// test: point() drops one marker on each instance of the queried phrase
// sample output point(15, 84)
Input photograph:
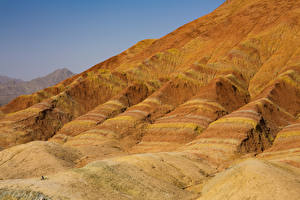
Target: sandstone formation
point(209, 111)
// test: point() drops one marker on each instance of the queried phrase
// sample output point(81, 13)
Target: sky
point(40, 36)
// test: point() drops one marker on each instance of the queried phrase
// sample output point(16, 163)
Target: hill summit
point(209, 111)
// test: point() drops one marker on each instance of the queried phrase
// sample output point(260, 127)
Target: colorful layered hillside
point(209, 111)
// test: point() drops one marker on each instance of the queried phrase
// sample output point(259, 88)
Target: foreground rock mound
point(253, 179)
point(36, 159)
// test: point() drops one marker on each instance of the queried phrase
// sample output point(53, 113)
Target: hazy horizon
point(38, 37)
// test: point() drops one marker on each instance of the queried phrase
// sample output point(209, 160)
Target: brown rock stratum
point(209, 111)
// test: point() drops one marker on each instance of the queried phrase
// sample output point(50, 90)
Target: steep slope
point(209, 111)
point(11, 88)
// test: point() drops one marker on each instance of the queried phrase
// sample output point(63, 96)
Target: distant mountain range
point(6, 79)
point(11, 87)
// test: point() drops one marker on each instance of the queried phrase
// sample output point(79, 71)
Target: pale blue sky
point(39, 36)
